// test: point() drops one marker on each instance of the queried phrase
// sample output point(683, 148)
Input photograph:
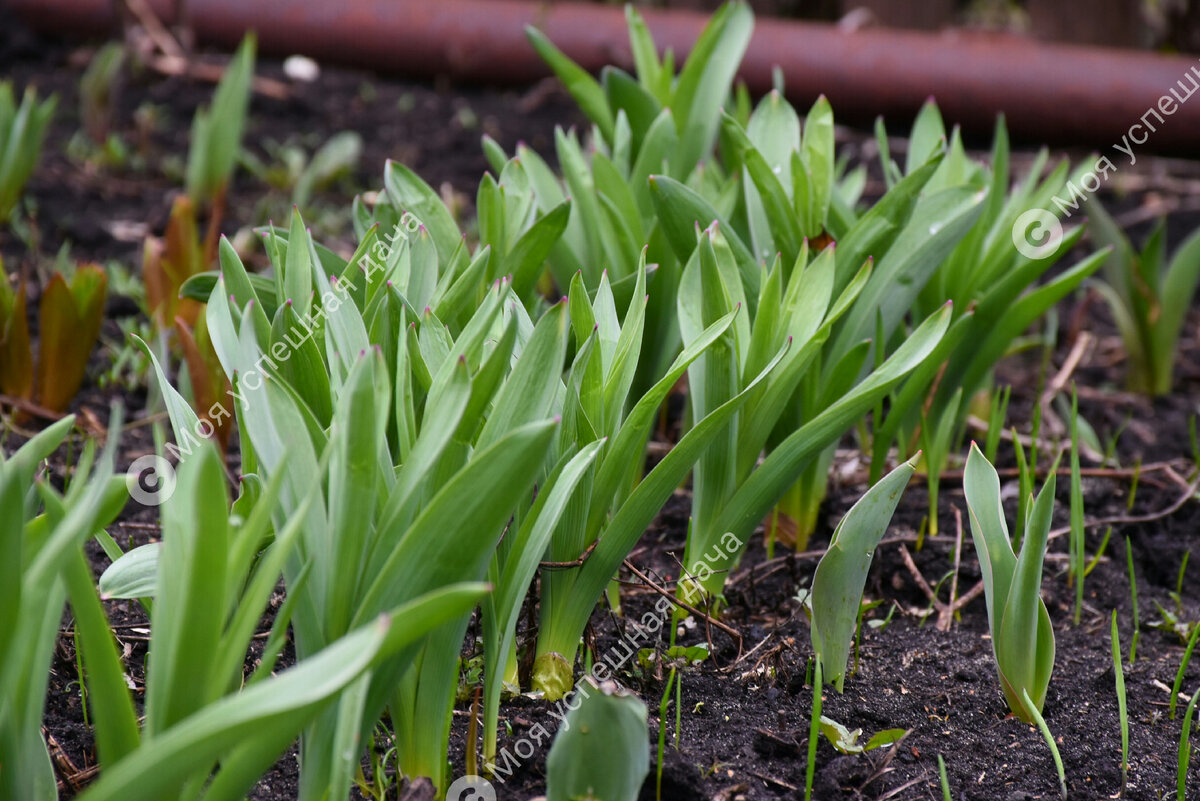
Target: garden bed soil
point(745, 719)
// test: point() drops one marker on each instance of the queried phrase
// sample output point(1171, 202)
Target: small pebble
point(301, 68)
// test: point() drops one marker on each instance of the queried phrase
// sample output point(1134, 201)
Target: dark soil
point(744, 718)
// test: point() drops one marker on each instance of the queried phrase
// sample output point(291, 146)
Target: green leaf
point(524, 262)
point(681, 209)
point(297, 271)
point(842, 572)
point(779, 471)
point(1178, 289)
point(645, 55)
point(704, 83)
point(1022, 637)
point(133, 575)
point(108, 696)
point(884, 737)
point(928, 137)
point(818, 152)
point(583, 87)
point(408, 192)
point(191, 585)
point(600, 751)
point(626, 94)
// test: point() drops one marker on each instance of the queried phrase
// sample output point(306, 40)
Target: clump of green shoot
point(22, 129)
point(1149, 297)
point(1022, 635)
point(217, 131)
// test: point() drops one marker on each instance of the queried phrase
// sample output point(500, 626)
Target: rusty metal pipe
point(1054, 93)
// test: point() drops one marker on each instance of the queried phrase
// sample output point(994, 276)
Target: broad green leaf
point(601, 750)
point(842, 572)
point(625, 94)
point(928, 137)
point(681, 209)
point(524, 262)
point(818, 154)
point(134, 575)
point(191, 585)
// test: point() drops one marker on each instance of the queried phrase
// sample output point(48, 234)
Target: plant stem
point(814, 731)
point(662, 733)
point(1058, 763)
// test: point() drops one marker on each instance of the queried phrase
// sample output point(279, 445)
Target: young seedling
point(1022, 635)
point(21, 131)
point(942, 778)
point(1099, 554)
point(1078, 555)
point(1133, 599)
point(846, 741)
point(1119, 677)
point(217, 131)
point(1183, 665)
point(842, 572)
point(1185, 748)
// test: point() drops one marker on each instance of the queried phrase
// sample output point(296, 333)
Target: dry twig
point(709, 620)
point(945, 611)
